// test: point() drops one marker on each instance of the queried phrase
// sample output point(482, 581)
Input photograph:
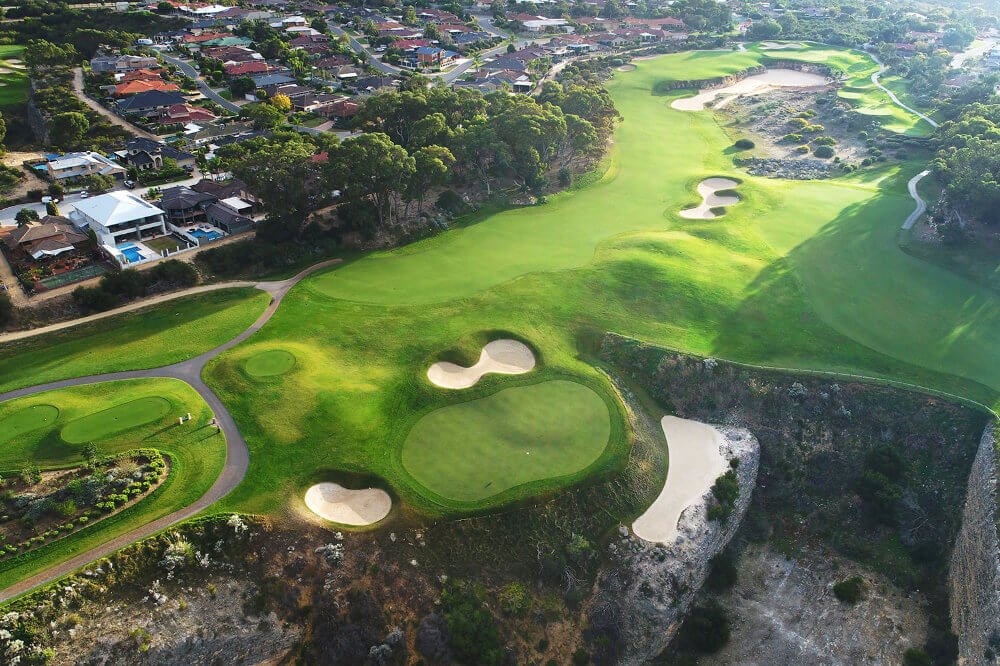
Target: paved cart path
point(237, 454)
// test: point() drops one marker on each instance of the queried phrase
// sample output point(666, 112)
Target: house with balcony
point(76, 165)
point(119, 217)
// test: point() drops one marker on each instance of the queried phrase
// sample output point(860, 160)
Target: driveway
point(237, 453)
point(102, 110)
point(207, 91)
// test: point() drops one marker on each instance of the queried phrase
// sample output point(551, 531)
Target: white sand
point(709, 199)
point(506, 357)
point(342, 505)
point(772, 78)
point(774, 46)
point(695, 463)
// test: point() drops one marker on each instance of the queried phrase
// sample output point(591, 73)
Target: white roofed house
point(77, 165)
point(118, 217)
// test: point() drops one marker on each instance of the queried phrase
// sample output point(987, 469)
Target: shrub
point(93, 299)
point(705, 629)
point(725, 490)
point(850, 591)
point(722, 573)
point(792, 138)
point(824, 141)
point(825, 152)
point(802, 149)
point(798, 122)
point(916, 657)
point(66, 509)
point(514, 599)
point(473, 634)
point(744, 144)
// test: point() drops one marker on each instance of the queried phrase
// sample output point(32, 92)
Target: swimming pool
point(131, 253)
point(201, 234)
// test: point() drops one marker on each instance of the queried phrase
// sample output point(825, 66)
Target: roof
point(182, 198)
point(133, 87)
point(150, 100)
point(76, 160)
point(223, 213)
point(262, 80)
point(116, 207)
point(59, 227)
point(141, 143)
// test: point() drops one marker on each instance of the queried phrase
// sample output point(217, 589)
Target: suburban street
point(190, 71)
point(359, 48)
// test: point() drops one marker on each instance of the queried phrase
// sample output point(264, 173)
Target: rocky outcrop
point(655, 583)
point(975, 562)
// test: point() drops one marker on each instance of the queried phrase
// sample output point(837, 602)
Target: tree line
point(418, 140)
point(968, 160)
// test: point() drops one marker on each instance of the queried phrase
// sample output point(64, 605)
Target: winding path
point(921, 204)
point(189, 371)
point(103, 111)
point(881, 69)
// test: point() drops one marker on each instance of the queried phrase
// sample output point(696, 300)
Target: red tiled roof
point(134, 87)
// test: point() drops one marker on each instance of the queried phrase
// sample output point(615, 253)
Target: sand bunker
point(775, 46)
point(505, 357)
point(708, 189)
point(626, 67)
point(338, 504)
point(772, 78)
point(695, 463)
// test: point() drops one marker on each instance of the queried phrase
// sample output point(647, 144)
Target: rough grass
point(148, 338)
point(196, 452)
point(476, 450)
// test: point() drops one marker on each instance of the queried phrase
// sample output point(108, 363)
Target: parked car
point(48, 199)
point(84, 194)
point(129, 184)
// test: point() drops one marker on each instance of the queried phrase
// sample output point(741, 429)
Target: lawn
point(801, 275)
point(13, 76)
point(477, 450)
point(168, 243)
point(147, 338)
point(50, 429)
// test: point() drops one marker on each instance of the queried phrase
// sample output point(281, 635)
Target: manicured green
point(115, 419)
point(14, 80)
point(26, 420)
point(476, 450)
point(270, 363)
point(147, 338)
point(195, 450)
point(800, 275)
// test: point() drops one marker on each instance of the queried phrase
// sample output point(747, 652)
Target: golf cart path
point(189, 371)
point(921, 204)
point(881, 69)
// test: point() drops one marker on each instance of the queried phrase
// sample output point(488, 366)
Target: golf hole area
point(26, 420)
point(114, 420)
point(270, 363)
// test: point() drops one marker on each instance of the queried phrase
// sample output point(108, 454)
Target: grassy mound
point(269, 363)
point(475, 450)
point(26, 420)
point(116, 419)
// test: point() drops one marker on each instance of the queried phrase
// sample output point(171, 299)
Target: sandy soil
point(695, 463)
point(338, 504)
point(758, 83)
point(506, 357)
point(775, 46)
point(626, 68)
point(709, 199)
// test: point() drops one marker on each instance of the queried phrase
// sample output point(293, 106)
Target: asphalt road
point(359, 48)
point(188, 70)
point(237, 453)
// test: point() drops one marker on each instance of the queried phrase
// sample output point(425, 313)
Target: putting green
point(269, 363)
point(476, 450)
point(26, 420)
point(115, 419)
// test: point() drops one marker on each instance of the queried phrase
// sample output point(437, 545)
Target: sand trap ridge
point(772, 78)
point(775, 46)
point(342, 505)
point(506, 357)
point(695, 463)
point(708, 189)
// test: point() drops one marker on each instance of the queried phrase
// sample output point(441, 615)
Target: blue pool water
point(206, 235)
point(132, 253)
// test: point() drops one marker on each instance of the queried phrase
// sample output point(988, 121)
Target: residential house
point(77, 165)
point(142, 154)
point(113, 63)
point(185, 113)
point(184, 206)
point(141, 86)
point(52, 236)
point(151, 103)
point(266, 80)
point(140, 75)
point(247, 68)
point(431, 56)
point(119, 216)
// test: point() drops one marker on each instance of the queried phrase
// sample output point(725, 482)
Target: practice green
point(26, 420)
point(270, 363)
point(116, 419)
point(478, 449)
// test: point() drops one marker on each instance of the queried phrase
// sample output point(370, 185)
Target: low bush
point(824, 141)
point(792, 138)
point(825, 152)
point(514, 599)
point(802, 149)
point(744, 144)
point(705, 629)
point(850, 591)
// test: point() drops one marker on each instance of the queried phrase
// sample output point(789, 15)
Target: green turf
point(114, 420)
point(26, 420)
point(147, 338)
point(15, 81)
point(195, 450)
point(479, 449)
point(270, 363)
